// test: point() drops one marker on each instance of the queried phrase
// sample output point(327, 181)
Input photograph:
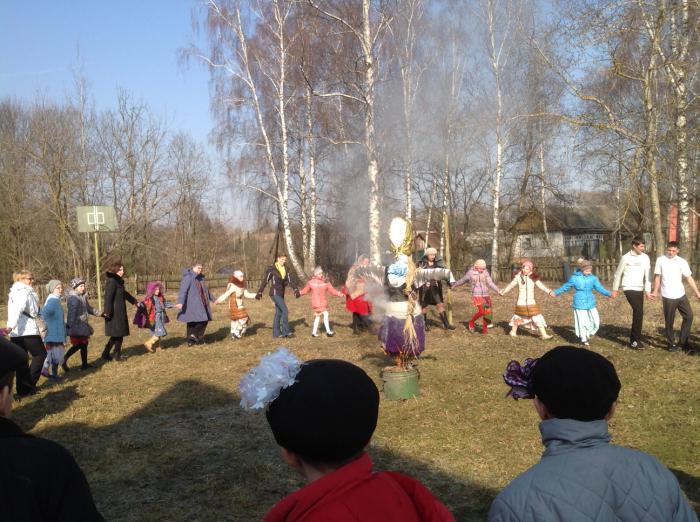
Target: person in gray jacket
point(581, 476)
point(78, 327)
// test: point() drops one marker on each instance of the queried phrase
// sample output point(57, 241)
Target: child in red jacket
point(323, 414)
point(318, 286)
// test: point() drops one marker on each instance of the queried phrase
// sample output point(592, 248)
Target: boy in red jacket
point(324, 418)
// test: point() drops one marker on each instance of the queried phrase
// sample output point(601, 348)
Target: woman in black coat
point(116, 320)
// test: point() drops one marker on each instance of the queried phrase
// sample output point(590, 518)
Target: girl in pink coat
point(318, 287)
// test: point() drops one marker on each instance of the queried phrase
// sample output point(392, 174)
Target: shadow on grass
point(193, 454)
point(50, 403)
point(567, 333)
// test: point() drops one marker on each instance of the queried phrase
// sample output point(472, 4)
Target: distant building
point(572, 232)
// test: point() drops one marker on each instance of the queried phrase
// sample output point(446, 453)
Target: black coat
point(277, 283)
point(117, 323)
point(41, 480)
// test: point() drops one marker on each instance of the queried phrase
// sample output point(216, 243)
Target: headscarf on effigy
point(401, 243)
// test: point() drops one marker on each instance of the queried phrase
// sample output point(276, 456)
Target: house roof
point(591, 218)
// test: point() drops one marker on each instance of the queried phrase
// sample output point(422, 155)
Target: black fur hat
point(575, 383)
point(329, 414)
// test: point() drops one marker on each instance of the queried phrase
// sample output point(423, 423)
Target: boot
point(150, 342)
point(425, 321)
point(156, 345)
point(514, 330)
point(543, 333)
point(445, 321)
point(105, 352)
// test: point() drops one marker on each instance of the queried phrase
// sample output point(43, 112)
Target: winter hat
point(238, 274)
point(329, 414)
point(479, 263)
point(318, 271)
point(527, 262)
point(152, 286)
point(574, 383)
point(76, 282)
point(584, 263)
point(51, 285)
point(431, 251)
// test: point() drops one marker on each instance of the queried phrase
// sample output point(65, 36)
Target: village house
point(572, 231)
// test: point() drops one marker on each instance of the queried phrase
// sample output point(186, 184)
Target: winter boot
point(445, 321)
point(543, 333)
point(425, 321)
point(514, 330)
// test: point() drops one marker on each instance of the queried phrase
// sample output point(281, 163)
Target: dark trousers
point(28, 375)
point(195, 331)
point(636, 300)
point(683, 307)
point(83, 354)
point(280, 323)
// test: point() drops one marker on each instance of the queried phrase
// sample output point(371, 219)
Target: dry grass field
point(161, 436)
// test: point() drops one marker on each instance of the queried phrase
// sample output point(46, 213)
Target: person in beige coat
point(527, 311)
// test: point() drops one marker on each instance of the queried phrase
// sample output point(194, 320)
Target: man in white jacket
point(632, 275)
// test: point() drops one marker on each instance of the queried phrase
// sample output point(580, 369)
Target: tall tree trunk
point(311, 148)
point(370, 140)
point(680, 37)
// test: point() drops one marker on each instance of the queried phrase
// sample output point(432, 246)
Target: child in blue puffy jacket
point(586, 318)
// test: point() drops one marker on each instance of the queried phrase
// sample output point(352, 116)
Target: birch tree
point(255, 79)
point(366, 31)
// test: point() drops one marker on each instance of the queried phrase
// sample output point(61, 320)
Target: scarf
point(281, 269)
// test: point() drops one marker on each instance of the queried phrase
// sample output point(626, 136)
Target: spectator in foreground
point(581, 476)
point(323, 419)
point(40, 479)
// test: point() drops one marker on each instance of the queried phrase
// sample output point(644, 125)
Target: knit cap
point(51, 285)
point(76, 282)
point(575, 383)
point(318, 271)
point(329, 414)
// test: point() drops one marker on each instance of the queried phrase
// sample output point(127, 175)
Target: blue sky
point(128, 43)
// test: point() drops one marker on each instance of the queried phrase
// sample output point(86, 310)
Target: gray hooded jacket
point(582, 478)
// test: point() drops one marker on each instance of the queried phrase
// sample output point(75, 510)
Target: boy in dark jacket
point(40, 480)
point(277, 278)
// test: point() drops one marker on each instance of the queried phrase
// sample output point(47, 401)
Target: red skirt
point(358, 305)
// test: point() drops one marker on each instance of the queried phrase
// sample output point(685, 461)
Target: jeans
point(636, 300)
point(280, 323)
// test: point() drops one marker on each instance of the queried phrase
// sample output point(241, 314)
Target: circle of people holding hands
point(323, 413)
point(369, 292)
